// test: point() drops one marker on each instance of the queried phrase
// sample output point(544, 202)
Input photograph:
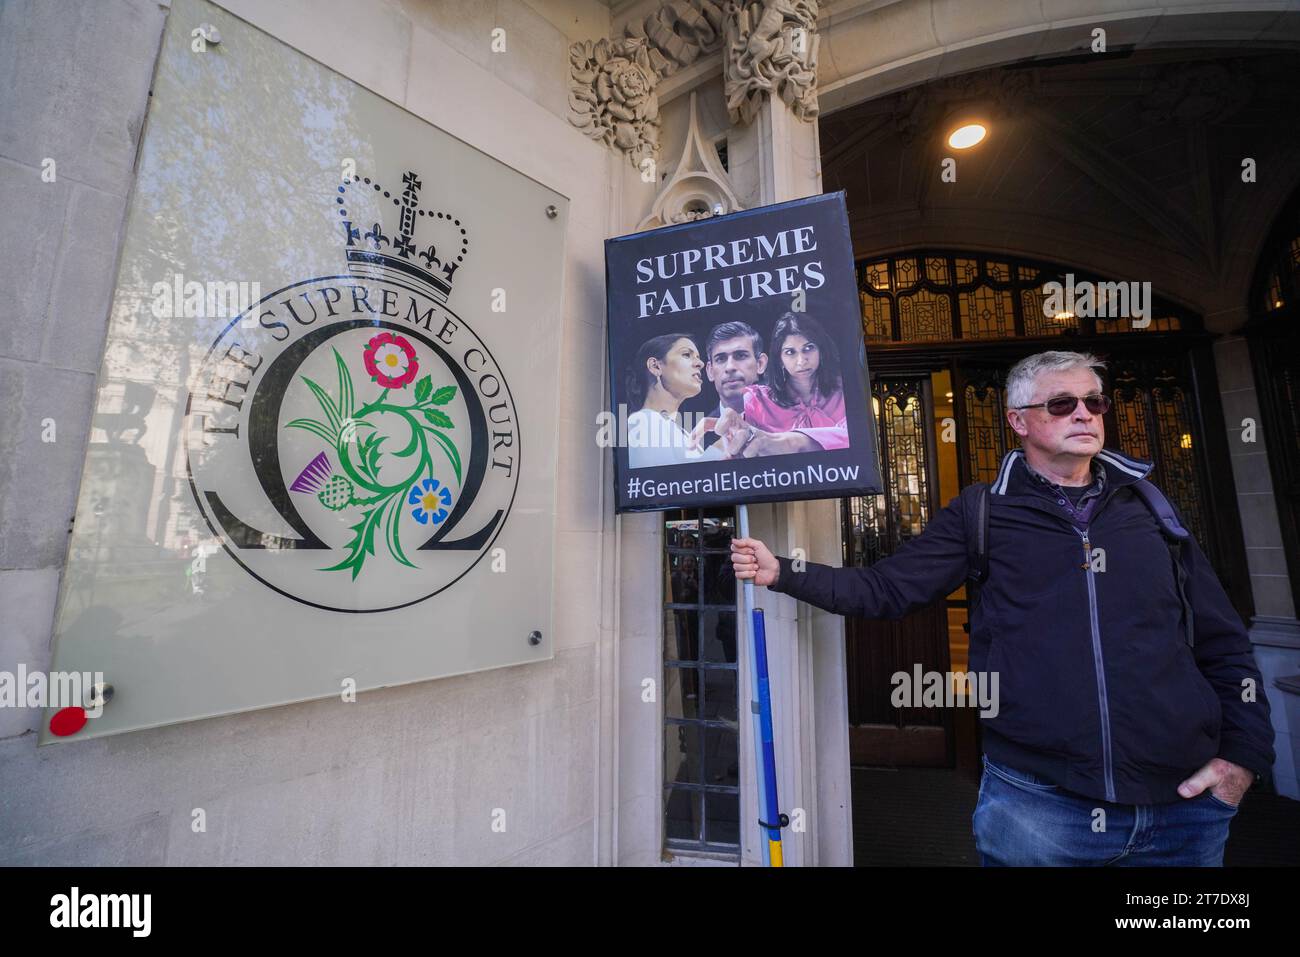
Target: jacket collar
point(1120, 469)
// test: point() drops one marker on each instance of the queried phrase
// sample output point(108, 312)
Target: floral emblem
point(353, 433)
point(431, 499)
point(390, 361)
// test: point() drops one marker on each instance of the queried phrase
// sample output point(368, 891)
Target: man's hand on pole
point(751, 559)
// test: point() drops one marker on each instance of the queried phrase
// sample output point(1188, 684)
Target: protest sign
point(737, 365)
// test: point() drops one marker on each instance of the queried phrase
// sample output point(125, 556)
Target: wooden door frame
point(909, 743)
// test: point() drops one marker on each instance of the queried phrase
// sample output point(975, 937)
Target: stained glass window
point(940, 297)
point(1154, 419)
point(924, 315)
point(876, 525)
point(987, 435)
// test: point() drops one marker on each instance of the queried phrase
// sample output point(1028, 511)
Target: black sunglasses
point(1065, 404)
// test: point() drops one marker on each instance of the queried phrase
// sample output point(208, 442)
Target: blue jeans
point(1023, 820)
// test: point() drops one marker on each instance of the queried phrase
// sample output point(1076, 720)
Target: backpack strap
point(1176, 536)
point(1163, 510)
point(975, 509)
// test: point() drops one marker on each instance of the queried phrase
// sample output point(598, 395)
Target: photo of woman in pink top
point(806, 393)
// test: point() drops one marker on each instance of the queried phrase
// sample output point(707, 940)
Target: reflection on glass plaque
point(323, 454)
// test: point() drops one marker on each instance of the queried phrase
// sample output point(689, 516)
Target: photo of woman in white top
point(666, 371)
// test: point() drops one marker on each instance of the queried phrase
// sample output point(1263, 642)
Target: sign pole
point(770, 819)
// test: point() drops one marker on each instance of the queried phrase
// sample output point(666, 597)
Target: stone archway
point(869, 48)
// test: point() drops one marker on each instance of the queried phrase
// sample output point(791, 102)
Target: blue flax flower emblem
point(431, 499)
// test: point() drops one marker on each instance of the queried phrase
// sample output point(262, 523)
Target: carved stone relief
point(767, 47)
point(772, 49)
point(612, 95)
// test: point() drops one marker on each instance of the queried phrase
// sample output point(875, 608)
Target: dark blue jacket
point(1098, 689)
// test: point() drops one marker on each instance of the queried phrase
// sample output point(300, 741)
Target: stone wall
point(405, 775)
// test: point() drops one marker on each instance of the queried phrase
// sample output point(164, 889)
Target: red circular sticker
point(68, 721)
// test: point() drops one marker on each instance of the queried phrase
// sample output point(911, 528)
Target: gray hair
point(1023, 375)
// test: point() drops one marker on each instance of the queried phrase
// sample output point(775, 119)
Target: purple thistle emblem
point(313, 476)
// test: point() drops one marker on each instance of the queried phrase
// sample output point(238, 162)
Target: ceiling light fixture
point(967, 135)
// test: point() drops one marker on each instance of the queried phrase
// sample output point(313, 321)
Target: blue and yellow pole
point(760, 706)
point(774, 822)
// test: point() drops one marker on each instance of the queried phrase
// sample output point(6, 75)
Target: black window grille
point(701, 729)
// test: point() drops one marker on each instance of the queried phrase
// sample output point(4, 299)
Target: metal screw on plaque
point(551, 212)
point(534, 637)
point(100, 693)
point(210, 33)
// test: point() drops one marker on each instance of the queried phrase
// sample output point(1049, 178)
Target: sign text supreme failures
point(776, 280)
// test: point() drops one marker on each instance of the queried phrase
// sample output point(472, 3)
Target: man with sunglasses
point(1131, 716)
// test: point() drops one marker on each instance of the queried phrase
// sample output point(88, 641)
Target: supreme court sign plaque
point(323, 455)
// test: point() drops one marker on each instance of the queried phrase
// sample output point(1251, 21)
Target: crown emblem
point(374, 254)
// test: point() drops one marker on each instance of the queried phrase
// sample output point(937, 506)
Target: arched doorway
point(1096, 168)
